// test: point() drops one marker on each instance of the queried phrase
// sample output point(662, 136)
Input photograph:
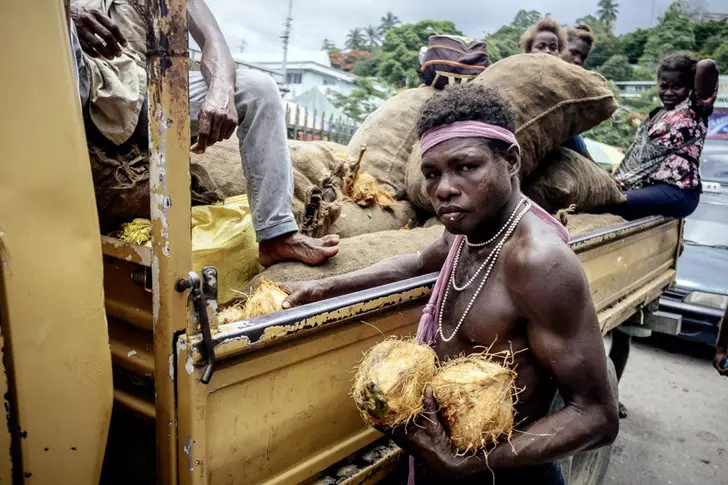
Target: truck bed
point(278, 411)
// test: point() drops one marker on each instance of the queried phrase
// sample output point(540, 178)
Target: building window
point(294, 78)
point(329, 81)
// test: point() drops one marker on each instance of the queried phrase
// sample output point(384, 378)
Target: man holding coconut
point(510, 283)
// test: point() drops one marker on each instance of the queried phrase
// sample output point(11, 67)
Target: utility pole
point(243, 45)
point(286, 38)
point(652, 14)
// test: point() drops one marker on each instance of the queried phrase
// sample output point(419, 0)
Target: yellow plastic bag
point(222, 236)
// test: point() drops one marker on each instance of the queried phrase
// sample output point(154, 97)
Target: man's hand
point(97, 33)
point(721, 353)
point(218, 118)
point(427, 440)
point(302, 292)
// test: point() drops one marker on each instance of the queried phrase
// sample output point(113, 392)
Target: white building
point(634, 89)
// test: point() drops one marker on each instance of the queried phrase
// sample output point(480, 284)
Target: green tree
point(720, 56)
point(389, 21)
point(633, 44)
point(617, 68)
point(616, 131)
point(329, 46)
point(401, 46)
point(608, 13)
point(369, 67)
point(525, 19)
point(673, 33)
point(372, 35)
point(355, 39)
point(360, 102)
point(641, 73)
point(504, 42)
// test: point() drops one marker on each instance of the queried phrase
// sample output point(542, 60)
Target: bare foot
point(622, 411)
point(297, 247)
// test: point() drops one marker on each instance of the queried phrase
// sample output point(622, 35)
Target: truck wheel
point(589, 467)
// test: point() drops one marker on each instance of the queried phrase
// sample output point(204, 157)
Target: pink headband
point(465, 129)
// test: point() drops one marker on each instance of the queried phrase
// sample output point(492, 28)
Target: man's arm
point(393, 269)
point(218, 116)
point(551, 291)
point(721, 346)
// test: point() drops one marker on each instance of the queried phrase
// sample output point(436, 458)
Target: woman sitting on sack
point(659, 173)
point(547, 37)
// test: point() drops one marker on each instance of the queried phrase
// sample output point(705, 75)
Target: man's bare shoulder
point(539, 264)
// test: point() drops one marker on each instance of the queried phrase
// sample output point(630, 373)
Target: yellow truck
point(112, 354)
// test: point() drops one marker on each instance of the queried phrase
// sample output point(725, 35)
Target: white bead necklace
point(492, 259)
point(508, 223)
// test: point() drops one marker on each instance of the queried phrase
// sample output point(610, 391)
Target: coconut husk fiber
point(317, 178)
point(355, 220)
point(388, 134)
point(476, 396)
point(354, 253)
point(553, 100)
point(267, 298)
point(583, 224)
point(391, 380)
point(362, 188)
point(565, 178)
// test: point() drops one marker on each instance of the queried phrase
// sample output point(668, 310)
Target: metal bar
point(133, 253)
point(134, 403)
point(169, 138)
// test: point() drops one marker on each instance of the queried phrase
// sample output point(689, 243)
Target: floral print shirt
point(668, 146)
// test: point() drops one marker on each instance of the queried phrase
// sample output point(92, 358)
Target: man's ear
point(513, 157)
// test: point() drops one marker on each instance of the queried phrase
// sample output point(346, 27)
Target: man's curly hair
point(582, 32)
point(543, 25)
point(468, 102)
point(681, 62)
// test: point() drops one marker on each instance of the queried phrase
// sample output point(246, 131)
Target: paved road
point(677, 429)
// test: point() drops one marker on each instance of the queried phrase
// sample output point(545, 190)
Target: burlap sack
point(354, 253)
point(317, 176)
point(565, 178)
point(389, 133)
point(121, 185)
point(553, 99)
point(415, 182)
point(355, 220)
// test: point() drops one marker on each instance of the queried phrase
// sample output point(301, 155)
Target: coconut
point(267, 298)
point(476, 396)
point(391, 380)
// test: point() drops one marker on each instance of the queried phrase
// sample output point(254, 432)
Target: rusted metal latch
point(199, 293)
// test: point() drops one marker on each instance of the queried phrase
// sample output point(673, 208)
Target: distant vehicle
point(701, 292)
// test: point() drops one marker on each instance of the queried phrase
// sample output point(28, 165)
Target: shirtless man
point(536, 300)
point(109, 42)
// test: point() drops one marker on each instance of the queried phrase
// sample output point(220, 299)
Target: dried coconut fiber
point(362, 188)
point(565, 178)
point(354, 253)
point(267, 298)
point(476, 395)
point(391, 380)
point(553, 100)
point(389, 133)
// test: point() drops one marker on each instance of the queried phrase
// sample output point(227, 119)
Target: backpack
point(451, 59)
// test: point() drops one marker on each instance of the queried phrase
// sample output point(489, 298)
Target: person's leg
point(267, 167)
point(662, 199)
point(619, 354)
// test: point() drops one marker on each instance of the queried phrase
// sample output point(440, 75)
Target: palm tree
point(372, 35)
point(356, 39)
point(607, 13)
point(387, 22)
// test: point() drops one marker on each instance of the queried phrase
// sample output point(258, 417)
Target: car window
point(708, 225)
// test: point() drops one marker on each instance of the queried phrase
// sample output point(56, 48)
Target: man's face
point(467, 183)
point(546, 43)
point(577, 52)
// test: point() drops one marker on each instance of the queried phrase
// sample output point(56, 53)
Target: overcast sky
point(260, 22)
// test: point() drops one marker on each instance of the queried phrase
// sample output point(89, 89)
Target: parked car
point(701, 291)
